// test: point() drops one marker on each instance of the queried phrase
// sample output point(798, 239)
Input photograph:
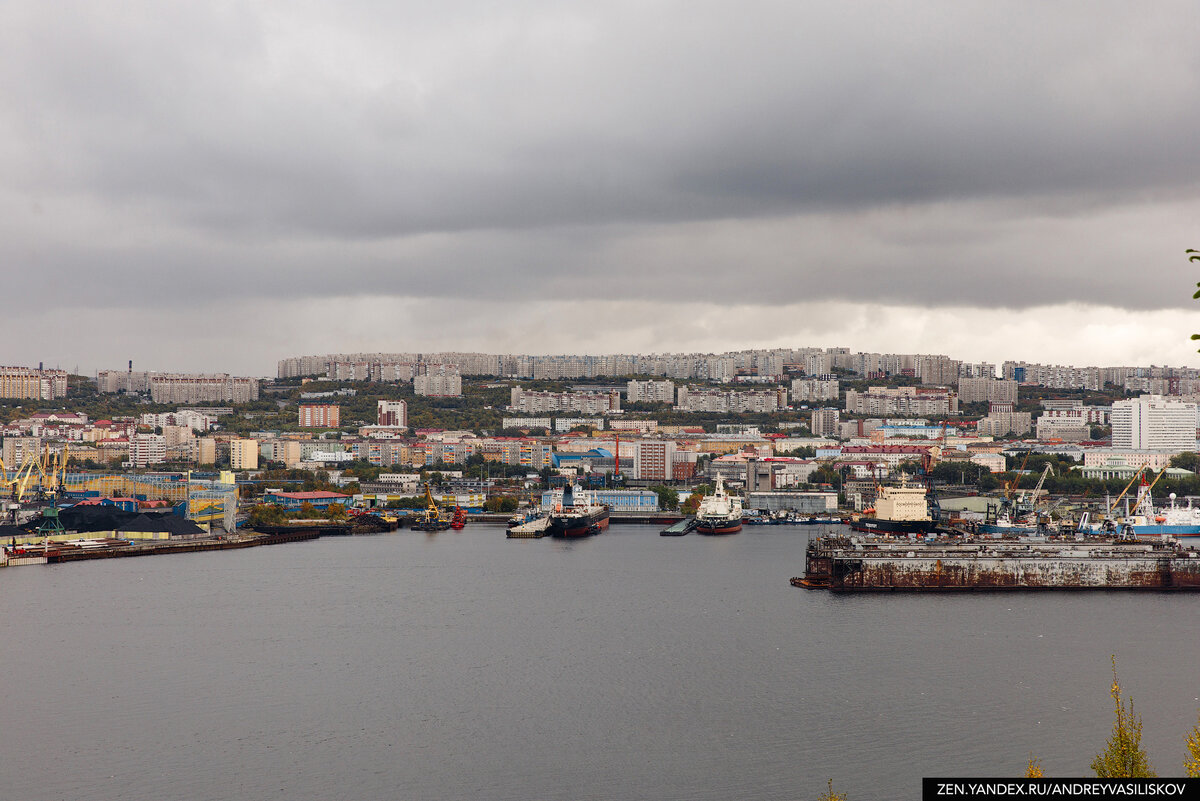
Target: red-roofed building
point(892, 455)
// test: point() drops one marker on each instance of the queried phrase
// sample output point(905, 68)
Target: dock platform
point(679, 529)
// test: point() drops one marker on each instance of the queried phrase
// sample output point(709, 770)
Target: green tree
point(1191, 764)
point(1123, 757)
point(266, 514)
point(692, 503)
point(500, 503)
point(1194, 256)
point(1188, 460)
point(668, 499)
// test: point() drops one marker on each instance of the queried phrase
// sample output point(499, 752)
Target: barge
point(842, 564)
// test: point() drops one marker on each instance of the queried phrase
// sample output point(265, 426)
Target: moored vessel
point(576, 513)
point(719, 513)
point(1146, 521)
point(871, 565)
point(899, 510)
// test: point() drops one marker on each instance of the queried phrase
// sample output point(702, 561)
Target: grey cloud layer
point(935, 153)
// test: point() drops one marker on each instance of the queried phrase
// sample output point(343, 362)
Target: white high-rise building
point(147, 449)
point(1152, 422)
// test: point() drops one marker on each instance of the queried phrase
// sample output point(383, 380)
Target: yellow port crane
point(49, 469)
point(52, 468)
point(433, 519)
point(1136, 476)
point(19, 483)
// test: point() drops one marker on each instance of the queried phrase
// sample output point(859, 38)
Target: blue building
point(617, 500)
point(292, 501)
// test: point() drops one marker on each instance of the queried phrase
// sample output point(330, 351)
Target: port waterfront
point(464, 664)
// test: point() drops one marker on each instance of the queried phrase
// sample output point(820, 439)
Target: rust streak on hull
point(854, 565)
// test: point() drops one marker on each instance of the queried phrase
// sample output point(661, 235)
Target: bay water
point(464, 665)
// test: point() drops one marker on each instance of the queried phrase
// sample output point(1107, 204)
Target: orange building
point(319, 416)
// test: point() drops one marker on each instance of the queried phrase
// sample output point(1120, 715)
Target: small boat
point(459, 519)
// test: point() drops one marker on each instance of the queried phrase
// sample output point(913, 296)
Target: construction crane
point(1028, 503)
point(1012, 485)
point(1038, 488)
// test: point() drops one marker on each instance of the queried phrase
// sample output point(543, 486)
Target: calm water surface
point(462, 665)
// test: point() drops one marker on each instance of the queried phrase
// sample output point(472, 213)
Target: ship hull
point(1183, 532)
point(873, 525)
point(839, 566)
point(991, 529)
point(577, 526)
point(718, 526)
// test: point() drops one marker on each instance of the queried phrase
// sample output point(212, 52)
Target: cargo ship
point(719, 513)
point(899, 510)
point(857, 564)
point(576, 513)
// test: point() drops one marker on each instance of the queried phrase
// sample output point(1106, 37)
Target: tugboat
point(460, 518)
point(719, 513)
point(576, 513)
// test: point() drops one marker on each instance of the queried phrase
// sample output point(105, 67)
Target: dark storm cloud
point(969, 153)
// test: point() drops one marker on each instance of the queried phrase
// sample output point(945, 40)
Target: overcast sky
point(215, 186)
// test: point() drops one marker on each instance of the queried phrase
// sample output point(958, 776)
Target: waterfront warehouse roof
point(172, 524)
point(309, 496)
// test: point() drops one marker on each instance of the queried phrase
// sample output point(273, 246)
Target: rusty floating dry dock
point(853, 564)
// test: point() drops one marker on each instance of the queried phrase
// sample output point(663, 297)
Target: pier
point(679, 529)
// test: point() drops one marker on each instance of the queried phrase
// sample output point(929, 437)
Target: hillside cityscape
point(810, 429)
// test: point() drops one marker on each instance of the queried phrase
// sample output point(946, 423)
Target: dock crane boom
point(1136, 476)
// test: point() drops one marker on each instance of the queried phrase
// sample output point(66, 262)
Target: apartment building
point(825, 422)
point(392, 413)
point(32, 382)
point(202, 388)
point(147, 449)
point(650, 392)
point(319, 416)
point(810, 390)
point(987, 390)
point(528, 402)
point(243, 454)
point(901, 402)
point(691, 399)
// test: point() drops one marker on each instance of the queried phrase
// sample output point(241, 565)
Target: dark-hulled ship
point(899, 510)
point(577, 513)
